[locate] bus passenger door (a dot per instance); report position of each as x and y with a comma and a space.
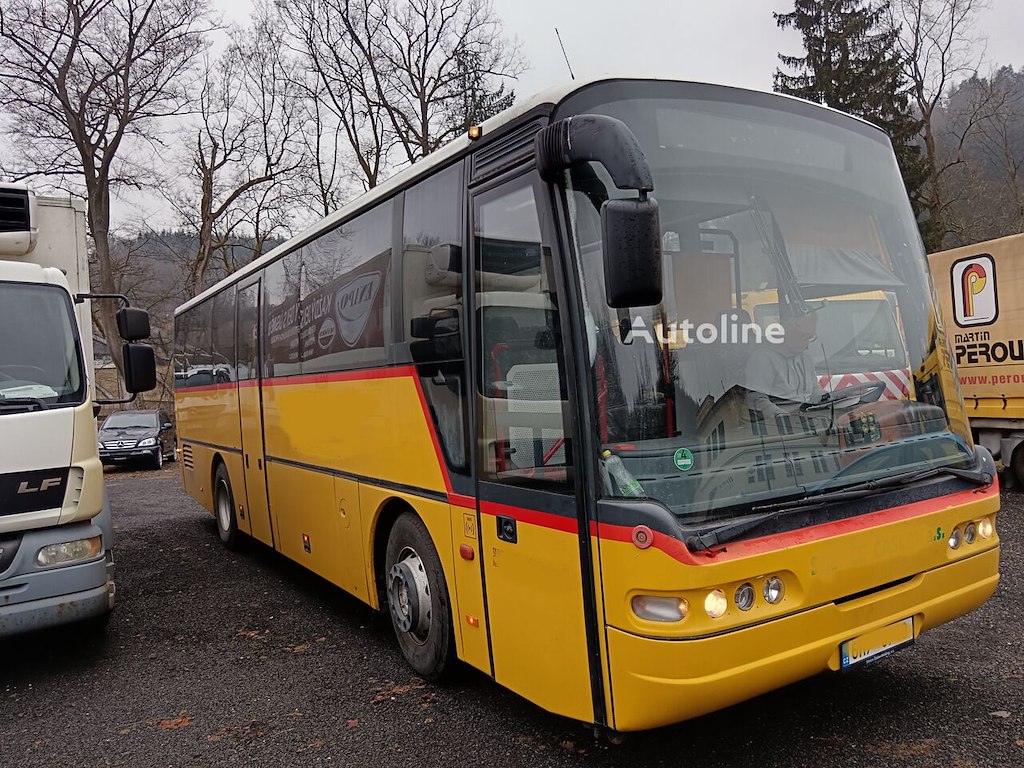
529, 535
250, 412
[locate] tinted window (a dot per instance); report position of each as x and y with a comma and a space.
195, 364
433, 306
327, 303
523, 408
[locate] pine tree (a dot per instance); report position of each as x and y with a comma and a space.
852, 64
475, 96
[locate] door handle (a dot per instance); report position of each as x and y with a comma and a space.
247, 461
259, 463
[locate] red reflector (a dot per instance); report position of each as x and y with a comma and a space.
466, 551
624, 447
473, 621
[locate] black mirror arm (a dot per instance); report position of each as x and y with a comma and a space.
594, 138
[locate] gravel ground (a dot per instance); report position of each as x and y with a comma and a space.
220, 658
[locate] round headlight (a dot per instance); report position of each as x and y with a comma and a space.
774, 589
956, 538
970, 533
745, 597
985, 528
716, 604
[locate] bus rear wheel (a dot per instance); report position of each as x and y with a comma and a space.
224, 508
418, 598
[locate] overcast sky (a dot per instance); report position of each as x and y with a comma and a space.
733, 42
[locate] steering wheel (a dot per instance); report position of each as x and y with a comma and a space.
868, 391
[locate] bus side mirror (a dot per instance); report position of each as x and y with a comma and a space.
631, 237
139, 367
133, 324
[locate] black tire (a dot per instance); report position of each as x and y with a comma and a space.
224, 508
427, 643
158, 458
1017, 466
173, 456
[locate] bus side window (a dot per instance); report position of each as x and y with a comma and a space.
522, 387
433, 304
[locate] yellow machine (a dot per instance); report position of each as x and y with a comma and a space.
510, 397
978, 287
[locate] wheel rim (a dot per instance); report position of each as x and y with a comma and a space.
409, 596
223, 507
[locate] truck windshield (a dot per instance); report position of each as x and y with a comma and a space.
797, 347
39, 356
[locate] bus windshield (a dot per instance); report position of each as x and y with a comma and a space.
797, 346
40, 365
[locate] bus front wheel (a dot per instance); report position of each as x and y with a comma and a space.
418, 598
224, 508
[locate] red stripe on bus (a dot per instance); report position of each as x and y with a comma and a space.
531, 516
738, 549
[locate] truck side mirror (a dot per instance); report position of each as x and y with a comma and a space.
440, 334
133, 324
631, 238
139, 367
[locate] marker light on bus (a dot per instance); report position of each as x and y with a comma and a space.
956, 538
716, 604
774, 589
69, 551
985, 528
745, 596
654, 608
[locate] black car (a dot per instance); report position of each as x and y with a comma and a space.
133, 435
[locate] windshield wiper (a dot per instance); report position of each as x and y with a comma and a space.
769, 512
20, 400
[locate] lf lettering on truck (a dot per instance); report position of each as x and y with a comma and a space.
56, 555
980, 291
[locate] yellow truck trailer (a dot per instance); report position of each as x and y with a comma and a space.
981, 292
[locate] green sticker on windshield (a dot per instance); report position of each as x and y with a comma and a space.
683, 459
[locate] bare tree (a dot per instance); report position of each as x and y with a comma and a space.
81, 81
938, 46
241, 145
393, 74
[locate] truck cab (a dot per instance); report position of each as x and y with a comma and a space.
56, 557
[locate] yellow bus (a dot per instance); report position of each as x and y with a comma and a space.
454, 399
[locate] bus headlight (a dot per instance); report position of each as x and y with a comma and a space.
970, 533
745, 597
956, 538
774, 589
69, 551
716, 604
985, 528
149, 442
654, 608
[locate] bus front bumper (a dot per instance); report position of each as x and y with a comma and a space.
657, 682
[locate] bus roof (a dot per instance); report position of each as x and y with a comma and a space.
439, 158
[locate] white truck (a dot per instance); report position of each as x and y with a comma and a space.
56, 560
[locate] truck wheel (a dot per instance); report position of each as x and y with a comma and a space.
418, 598
1017, 466
224, 508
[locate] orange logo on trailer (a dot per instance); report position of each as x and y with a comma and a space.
974, 291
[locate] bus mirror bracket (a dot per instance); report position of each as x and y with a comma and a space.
631, 231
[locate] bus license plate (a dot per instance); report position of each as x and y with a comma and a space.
877, 644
